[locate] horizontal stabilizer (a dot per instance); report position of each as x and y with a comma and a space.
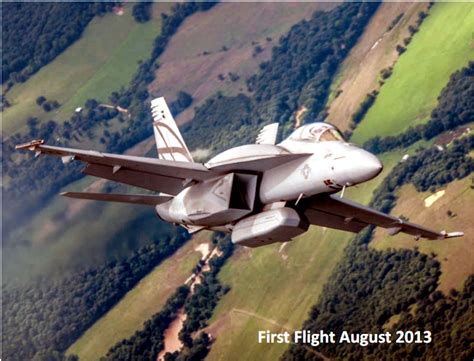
147, 199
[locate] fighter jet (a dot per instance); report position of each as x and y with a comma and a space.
260, 193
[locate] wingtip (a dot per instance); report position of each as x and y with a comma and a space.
32, 145
454, 234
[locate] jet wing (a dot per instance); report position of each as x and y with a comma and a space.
339, 213
154, 174
160, 175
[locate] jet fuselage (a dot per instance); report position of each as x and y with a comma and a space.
330, 165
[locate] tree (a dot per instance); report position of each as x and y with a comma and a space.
400, 49
47, 107
184, 99
91, 103
40, 100
142, 11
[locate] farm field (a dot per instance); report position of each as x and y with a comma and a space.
375, 50
442, 45
139, 304
101, 61
458, 198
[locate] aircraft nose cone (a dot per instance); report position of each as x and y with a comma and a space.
365, 166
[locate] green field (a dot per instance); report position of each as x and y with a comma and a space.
139, 304
258, 277
100, 62
443, 45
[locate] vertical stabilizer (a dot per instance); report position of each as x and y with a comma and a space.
268, 134
169, 142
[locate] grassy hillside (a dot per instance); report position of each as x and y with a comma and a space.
375, 50
294, 274
101, 61
139, 304
442, 46
451, 253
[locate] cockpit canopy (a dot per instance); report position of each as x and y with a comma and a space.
317, 132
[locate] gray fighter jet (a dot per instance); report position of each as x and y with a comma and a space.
261, 193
